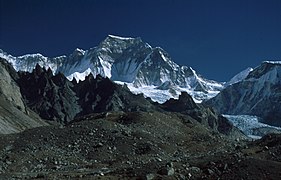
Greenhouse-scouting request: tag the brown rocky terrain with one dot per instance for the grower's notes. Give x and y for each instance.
(136, 145)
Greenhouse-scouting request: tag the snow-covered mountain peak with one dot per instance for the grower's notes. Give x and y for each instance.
(119, 37)
(36, 55)
(115, 45)
(128, 60)
(272, 62)
(7, 56)
(163, 54)
(78, 50)
(77, 53)
(113, 40)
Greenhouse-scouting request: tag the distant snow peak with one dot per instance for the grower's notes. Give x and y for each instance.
(148, 46)
(163, 57)
(119, 37)
(272, 62)
(5, 55)
(36, 55)
(194, 72)
(80, 51)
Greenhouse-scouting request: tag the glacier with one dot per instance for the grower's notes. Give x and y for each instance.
(251, 125)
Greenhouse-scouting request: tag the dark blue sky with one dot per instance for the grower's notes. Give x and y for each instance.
(218, 38)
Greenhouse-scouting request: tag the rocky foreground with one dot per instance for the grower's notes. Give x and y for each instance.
(136, 145)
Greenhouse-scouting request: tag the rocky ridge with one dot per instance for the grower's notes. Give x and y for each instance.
(55, 98)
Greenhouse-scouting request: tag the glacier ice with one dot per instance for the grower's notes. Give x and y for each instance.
(250, 125)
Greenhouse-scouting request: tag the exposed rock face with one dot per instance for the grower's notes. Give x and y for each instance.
(239, 77)
(204, 115)
(14, 115)
(13, 120)
(259, 94)
(184, 103)
(56, 98)
(50, 96)
(9, 89)
(101, 94)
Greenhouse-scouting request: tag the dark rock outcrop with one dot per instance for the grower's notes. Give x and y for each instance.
(101, 95)
(56, 98)
(9, 89)
(50, 96)
(204, 115)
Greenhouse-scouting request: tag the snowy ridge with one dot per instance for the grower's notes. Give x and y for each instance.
(127, 60)
(8, 57)
(240, 76)
(79, 76)
(28, 62)
(121, 38)
(272, 62)
(80, 50)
